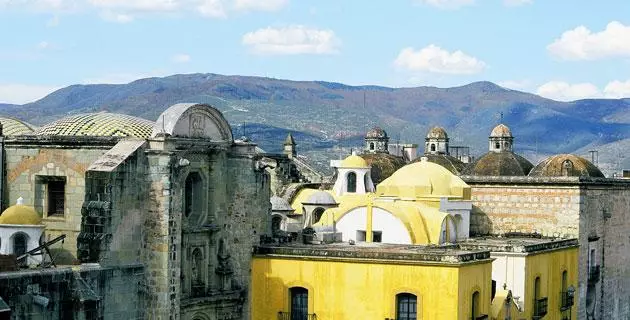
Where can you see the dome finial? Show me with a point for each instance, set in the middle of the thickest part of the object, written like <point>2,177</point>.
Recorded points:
<point>20,201</point>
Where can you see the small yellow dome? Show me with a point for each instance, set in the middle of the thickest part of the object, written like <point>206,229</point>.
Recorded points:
<point>20,214</point>
<point>354,161</point>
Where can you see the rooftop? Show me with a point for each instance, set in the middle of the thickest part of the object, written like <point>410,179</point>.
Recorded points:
<point>517,244</point>
<point>411,254</point>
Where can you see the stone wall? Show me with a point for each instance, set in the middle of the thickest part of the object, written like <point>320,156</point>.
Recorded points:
<point>86,292</point>
<point>29,161</point>
<point>605,245</point>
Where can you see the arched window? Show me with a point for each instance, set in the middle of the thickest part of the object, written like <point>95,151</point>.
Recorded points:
<point>19,247</point>
<point>192,194</point>
<point>371,145</point>
<point>475,305</point>
<point>537,288</point>
<point>565,280</point>
<point>366,183</point>
<point>497,145</point>
<point>317,214</point>
<point>352,182</point>
<point>433,147</point>
<point>299,303</point>
<point>276,222</point>
<point>567,167</point>
<point>406,306</point>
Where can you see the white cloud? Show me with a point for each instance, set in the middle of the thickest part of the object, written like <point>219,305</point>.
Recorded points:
<point>260,5</point>
<point>437,60</point>
<point>212,9</point>
<point>292,40</point>
<point>582,44</point>
<point>110,16</point>
<point>44,45</point>
<point>447,4</point>
<point>137,5</point>
<point>617,89</point>
<point>516,3</point>
<point>181,58</point>
<point>23,93</point>
<point>563,91</point>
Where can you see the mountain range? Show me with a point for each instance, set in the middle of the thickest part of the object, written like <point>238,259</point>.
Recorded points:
<point>328,118</point>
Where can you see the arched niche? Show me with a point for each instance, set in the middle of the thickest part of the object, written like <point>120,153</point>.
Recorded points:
<point>190,120</point>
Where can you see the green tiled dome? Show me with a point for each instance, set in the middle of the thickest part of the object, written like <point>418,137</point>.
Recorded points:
<point>14,127</point>
<point>98,124</point>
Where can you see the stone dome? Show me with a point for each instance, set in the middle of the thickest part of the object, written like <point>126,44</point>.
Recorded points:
<point>354,161</point>
<point>376,132</point>
<point>20,214</point>
<point>449,162</point>
<point>98,124</point>
<point>280,204</point>
<point>321,197</point>
<point>499,164</point>
<point>437,133</point>
<point>383,165</point>
<point>14,127</point>
<point>501,131</point>
<point>566,165</point>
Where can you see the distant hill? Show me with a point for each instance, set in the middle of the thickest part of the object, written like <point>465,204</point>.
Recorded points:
<point>334,114</point>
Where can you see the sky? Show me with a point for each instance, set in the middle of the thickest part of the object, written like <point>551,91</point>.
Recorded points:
<point>560,49</point>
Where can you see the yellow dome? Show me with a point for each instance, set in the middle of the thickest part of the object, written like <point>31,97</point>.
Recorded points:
<point>354,161</point>
<point>20,214</point>
<point>424,179</point>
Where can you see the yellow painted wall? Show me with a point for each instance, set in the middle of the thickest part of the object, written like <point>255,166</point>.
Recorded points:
<point>362,290</point>
<point>549,266</point>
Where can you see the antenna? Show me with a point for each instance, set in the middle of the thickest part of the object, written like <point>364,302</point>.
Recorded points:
<point>594,156</point>
<point>501,116</point>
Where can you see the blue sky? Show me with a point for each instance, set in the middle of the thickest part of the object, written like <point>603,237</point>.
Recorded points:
<point>562,49</point>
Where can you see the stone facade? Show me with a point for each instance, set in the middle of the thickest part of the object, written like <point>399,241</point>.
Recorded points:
<point>596,210</point>
<point>86,292</point>
<point>189,207</point>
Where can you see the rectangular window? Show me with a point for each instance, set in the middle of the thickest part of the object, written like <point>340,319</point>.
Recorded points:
<point>50,195</point>
<point>377,236</point>
<point>56,197</point>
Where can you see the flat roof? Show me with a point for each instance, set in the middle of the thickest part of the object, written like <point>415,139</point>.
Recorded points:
<point>377,252</point>
<point>517,244</point>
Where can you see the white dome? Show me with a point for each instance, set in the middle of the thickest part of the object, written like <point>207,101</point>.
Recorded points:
<point>321,198</point>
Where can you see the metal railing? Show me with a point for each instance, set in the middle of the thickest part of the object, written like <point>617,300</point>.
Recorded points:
<point>566,300</point>
<point>296,316</point>
<point>593,273</point>
<point>540,308</point>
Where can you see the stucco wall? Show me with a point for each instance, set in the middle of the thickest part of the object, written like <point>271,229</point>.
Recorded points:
<point>370,288</point>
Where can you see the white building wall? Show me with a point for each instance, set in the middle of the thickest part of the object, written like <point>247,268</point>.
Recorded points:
<point>33,233</point>
<point>509,269</point>
<point>392,229</point>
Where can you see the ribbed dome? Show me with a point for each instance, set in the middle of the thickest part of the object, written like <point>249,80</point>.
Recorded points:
<point>451,163</point>
<point>383,165</point>
<point>98,124</point>
<point>437,133</point>
<point>499,164</point>
<point>354,161</point>
<point>321,198</point>
<point>21,215</point>
<point>280,204</point>
<point>423,179</point>
<point>501,131</point>
<point>566,165</point>
<point>14,127</point>
<point>376,132</point>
